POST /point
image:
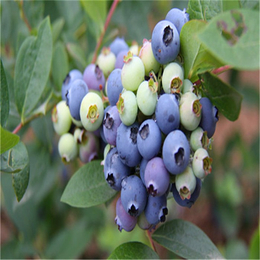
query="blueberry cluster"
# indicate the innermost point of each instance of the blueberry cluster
(157, 125)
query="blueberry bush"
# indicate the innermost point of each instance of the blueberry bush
(113, 129)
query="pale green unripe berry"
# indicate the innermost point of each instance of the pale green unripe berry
(147, 97)
(187, 86)
(190, 111)
(61, 118)
(78, 135)
(127, 107)
(133, 72)
(76, 122)
(199, 139)
(185, 183)
(134, 48)
(106, 61)
(201, 163)
(149, 61)
(68, 148)
(91, 111)
(172, 78)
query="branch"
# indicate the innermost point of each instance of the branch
(148, 232)
(23, 16)
(109, 16)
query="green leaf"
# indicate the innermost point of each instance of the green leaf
(32, 69)
(60, 65)
(88, 187)
(70, 242)
(96, 10)
(204, 9)
(133, 250)
(223, 96)
(8, 140)
(4, 97)
(186, 240)
(77, 53)
(254, 245)
(251, 4)
(196, 58)
(57, 27)
(233, 38)
(16, 162)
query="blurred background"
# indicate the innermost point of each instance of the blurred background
(40, 226)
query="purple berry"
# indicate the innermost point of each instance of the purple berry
(94, 77)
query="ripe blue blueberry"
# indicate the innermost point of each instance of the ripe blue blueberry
(194, 196)
(176, 152)
(123, 219)
(178, 17)
(117, 45)
(156, 177)
(167, 113)
(156, 209)
(142, 168)
(71, 76)
(114, 86)
(120, 59)
(133, 195)
(114, 169)
(165, 42)
(149, 139)
(209, 116)
(74, 96)
(94, 77)
(126, 142)
(110, 124)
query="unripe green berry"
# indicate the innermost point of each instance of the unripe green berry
(201, 163)
(172, 78)
(199, 139)
(61, 118)
(190, 111)
(67, 147)
(106, 61)
(185, 183)
(133, 72)
(147, 97)
(187, 86)
(91, 111)
(127, 107)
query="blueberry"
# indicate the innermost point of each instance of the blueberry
(106, 61)
(118, 45)
(185, 183)
(74, 96)
(201, 163)
(156, 209)
(126, 142)
(123, 219)
(147, 97)
(114, 169)
(156, 177)
(177, 17)
(194, 196)
(71, 76)
(142, 169)
(133, 72)
(110, 124)
(199, 139)
(94, 77)
(133, 195)
(165, 42)
(91, 111)
(61, 118)
(120, 59)
(114, 86)
(209, 116)
(167, 113)
(143, 222)
(176, 152)
(149, 139)
(68, 148)
(190, 111)
(127, 107)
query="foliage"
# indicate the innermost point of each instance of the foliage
(41, 41)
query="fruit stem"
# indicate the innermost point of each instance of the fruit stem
(16, 130)
(109, 16)
(149, 235)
